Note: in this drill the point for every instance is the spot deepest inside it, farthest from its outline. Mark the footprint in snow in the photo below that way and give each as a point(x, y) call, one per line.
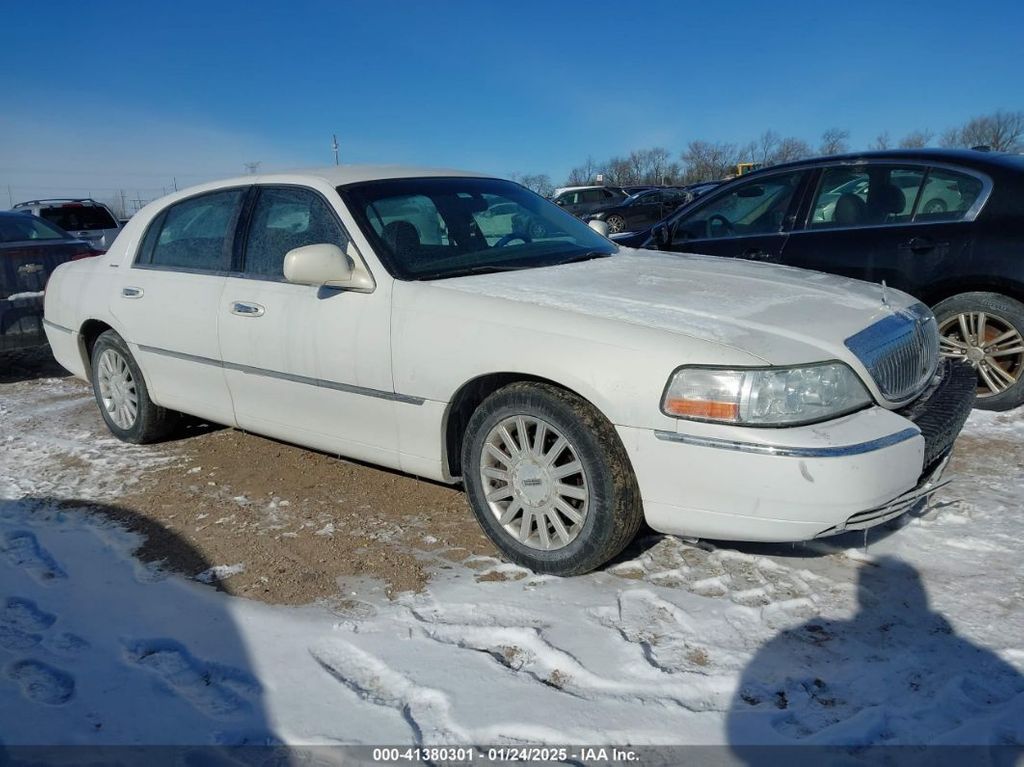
point(20, 620)
point(42, 683)
point(22, 549)
point(212, 688)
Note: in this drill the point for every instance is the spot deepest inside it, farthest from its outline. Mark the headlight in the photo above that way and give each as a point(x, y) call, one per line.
point(765, 396)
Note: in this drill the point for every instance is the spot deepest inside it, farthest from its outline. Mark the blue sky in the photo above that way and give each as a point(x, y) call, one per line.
point(102, 96)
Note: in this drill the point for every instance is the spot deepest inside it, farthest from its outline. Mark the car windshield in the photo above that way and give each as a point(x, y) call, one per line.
point(434, 228)
point(75, 217)
point(23, 227)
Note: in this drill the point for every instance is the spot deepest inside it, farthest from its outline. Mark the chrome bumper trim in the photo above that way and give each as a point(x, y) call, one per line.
point(831, 451)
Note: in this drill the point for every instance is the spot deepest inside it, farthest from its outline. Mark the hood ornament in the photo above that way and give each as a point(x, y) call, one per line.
point(885, 295)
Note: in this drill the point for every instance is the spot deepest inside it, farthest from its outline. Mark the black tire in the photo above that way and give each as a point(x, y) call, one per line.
point(1003, 313)
point(151, 423)
point(934, 205)
point(614, 511)
point(616, 224)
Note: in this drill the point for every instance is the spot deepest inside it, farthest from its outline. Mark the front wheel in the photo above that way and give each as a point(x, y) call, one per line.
point(549, 480)
point(986, 330)
point(122, 395)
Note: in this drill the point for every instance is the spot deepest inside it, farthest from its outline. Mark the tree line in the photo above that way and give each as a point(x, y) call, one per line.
point(702, 160)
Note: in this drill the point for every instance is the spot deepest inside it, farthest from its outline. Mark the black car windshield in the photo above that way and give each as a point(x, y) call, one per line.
point(434, 228)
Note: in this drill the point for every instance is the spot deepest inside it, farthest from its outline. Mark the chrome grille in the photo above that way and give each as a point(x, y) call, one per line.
point(900, 352)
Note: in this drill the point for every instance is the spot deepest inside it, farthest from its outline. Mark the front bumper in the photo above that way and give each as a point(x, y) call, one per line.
point(799, 483)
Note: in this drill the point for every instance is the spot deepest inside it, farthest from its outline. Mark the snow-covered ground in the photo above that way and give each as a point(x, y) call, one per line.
point(917, 639)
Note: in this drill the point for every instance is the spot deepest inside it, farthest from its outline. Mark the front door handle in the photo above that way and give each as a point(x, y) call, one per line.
point(246, 309)
point(130, 292)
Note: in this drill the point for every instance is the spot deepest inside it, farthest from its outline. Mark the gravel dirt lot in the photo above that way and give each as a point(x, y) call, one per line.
point(301, 522)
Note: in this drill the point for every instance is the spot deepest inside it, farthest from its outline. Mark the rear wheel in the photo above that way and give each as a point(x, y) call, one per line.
point(549, 480)
point(986, 330)
point(616, 224)
point(122, 395)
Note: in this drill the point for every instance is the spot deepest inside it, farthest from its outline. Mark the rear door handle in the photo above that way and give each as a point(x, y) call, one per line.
point(920, 244)
point(246, 309)
point(132, 292)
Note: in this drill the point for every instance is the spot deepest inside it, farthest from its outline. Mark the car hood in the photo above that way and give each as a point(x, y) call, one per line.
point(780, 315)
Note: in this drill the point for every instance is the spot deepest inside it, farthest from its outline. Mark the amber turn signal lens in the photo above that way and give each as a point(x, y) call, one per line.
point(697, 408)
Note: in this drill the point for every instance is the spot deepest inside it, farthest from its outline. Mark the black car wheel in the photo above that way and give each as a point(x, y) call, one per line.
point(986, 330)
point(616, 224)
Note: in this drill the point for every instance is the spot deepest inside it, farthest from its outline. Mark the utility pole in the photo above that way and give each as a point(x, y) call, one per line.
point(175, 179)
point(334, 146)
point(10, 195)
point(124, 208)
point(252, 167)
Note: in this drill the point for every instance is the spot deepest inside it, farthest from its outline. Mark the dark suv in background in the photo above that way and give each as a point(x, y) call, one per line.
point(581, 200)
point(944, 225)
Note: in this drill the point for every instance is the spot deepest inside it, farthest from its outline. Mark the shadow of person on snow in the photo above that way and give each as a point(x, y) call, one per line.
point(98, 648)
point(896, 674)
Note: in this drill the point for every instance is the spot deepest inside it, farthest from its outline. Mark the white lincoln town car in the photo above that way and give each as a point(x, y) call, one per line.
point(462, 328)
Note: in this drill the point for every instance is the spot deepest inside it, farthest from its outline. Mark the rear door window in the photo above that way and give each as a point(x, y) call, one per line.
point(866, 195)
point(194, 234)
point(79, 218)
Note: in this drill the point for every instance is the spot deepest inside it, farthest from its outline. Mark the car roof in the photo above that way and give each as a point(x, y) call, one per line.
point(341, 175)
point(967, 157)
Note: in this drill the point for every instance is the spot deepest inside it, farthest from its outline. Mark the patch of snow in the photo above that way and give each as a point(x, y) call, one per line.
point(919, 638)
point(220, 573)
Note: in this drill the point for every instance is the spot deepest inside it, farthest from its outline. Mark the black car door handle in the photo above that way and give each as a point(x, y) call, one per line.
point(920, 244)
point(756, 254)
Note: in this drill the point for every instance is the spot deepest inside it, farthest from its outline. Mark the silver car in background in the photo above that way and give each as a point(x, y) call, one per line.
point(83, 218)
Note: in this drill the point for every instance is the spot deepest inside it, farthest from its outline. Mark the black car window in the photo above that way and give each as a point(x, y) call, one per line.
point(866, 195)
point(24, 227)
point(193, 233)
point(755, 207)
point(285, 218)
point(947, 196)
point(593, 195)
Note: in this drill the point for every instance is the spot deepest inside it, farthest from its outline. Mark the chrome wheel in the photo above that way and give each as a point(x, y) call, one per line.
point(117, 389)
point(990, 344)
point(535, 484)
point(616, 224)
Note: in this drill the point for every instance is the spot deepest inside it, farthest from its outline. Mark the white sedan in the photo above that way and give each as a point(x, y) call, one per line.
point(575, 388)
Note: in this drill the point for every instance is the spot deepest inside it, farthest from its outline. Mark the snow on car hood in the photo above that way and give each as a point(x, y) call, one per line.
point(779, 314)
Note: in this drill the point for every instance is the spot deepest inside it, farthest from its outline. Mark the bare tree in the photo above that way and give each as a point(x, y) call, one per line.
point(916, 139)
point(708, 161)
point(881, 141)
point(582, 174)
point(1000, 131)
point(790, 149)
point(538, 182)
point(833, 141)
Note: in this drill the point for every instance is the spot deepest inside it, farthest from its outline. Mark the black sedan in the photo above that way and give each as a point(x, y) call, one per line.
point(640, 210)
point(30, 249)
point(944, 225)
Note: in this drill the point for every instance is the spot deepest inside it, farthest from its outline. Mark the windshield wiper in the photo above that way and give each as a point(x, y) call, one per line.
point(494, 268)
